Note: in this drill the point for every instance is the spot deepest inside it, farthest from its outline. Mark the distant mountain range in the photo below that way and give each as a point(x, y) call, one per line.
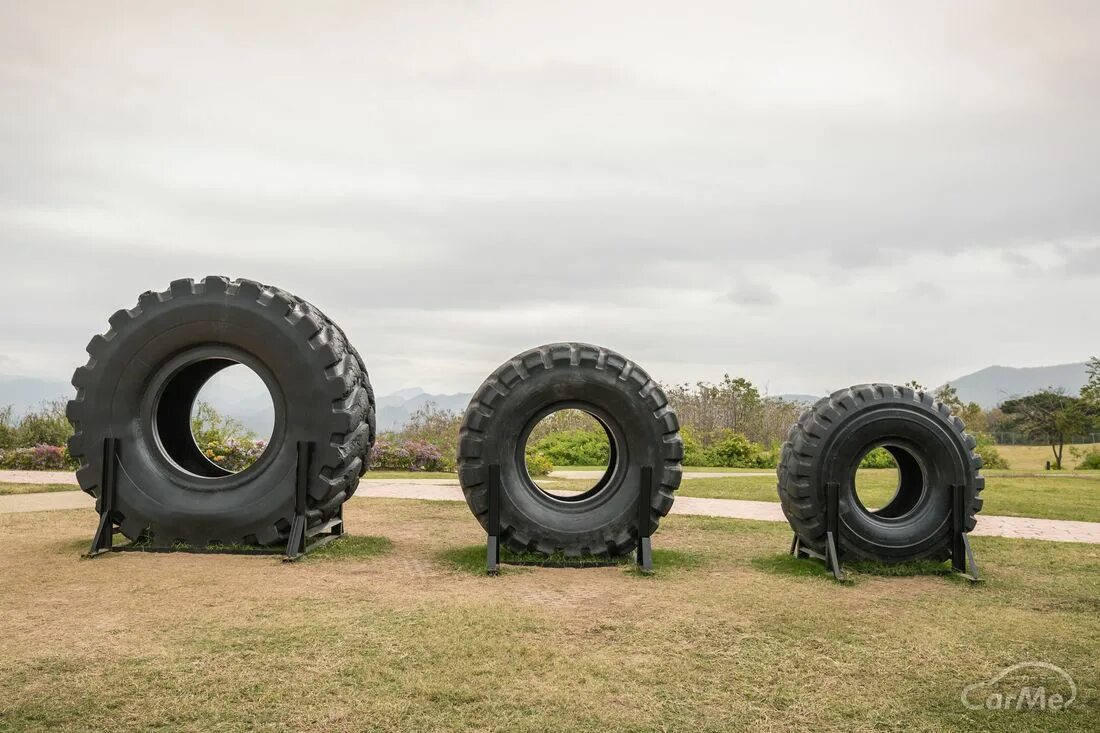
point(394, 410)
point(803, 399)
point(988, 387)
point(993, 385)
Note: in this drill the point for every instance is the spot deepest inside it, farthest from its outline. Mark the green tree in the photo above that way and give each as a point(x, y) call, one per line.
point(711, 410)
point(210, 426)
point(1050, 416)
point(1091, 391)
point(970, 412)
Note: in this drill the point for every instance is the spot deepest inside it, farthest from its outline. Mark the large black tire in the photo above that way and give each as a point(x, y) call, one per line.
point(642, 430)
point(933, 455)
point(142, 379)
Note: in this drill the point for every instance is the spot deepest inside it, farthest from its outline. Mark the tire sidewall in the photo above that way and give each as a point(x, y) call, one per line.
point(170, 501)
point(939, 449)
point(592, 523)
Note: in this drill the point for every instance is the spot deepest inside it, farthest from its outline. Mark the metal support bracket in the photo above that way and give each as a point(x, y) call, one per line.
point(492, 545)
point(645, 503)
point(644, 555)
point(103, 541)
point(302, 539)
point(962, 557)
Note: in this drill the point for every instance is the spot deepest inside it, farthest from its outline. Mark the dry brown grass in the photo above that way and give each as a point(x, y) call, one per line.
point(738, 638)
point(7, 489)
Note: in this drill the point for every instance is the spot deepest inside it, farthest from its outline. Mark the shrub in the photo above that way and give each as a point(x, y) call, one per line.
point(878, 458)
point(1091, 462)
point(575, 448)
point(233, 454)
point(538, 464)
point(44, 426)
point(405, 455)
point(768, 457)
point(694, 452)
point(734, 450)
point(430, 424)
point(38, 458)
point(224, 440)
point(987, 449)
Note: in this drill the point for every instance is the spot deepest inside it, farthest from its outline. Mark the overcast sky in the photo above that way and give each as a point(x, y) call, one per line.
point(805, 194)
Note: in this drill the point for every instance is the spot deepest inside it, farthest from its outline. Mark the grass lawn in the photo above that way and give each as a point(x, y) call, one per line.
point(1050, 496)
point(390, 475)
point(6, 489)
point(730, 634)
point(686, 469)
point(1035, 457)
point(1046, 497)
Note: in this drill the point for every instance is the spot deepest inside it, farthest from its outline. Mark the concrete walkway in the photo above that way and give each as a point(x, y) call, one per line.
point(38, 477)
point(1054, 530)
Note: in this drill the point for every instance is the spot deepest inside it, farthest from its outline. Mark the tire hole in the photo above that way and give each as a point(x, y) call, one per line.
point(888, 481)
point(569, 440)
point(215, 418)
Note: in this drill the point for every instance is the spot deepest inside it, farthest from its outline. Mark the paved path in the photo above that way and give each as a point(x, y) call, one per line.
point(38, 477)
point(1055, 530)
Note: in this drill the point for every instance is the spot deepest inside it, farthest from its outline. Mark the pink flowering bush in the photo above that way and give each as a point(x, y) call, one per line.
point(233, 454)
point(38, 458)
point(406, 455)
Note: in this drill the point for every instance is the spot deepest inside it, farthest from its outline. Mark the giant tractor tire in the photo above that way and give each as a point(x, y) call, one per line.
point(140, 384)
point(642, 431)
point(933, 455)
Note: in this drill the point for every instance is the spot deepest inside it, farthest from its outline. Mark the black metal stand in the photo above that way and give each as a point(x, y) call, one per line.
point(644, 556)
point(299, 543)
point(103, 541)
point(962, 557)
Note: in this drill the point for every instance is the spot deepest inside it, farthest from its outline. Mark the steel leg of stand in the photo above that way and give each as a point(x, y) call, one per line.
point(645, 505)
point(492, 543)
point(832, 526)
point(832, 558)
point(296, 542)
point(962, 557)
point(103, 541)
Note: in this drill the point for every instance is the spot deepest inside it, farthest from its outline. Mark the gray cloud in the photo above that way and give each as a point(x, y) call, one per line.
point(753, 293)
point(723, 190)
